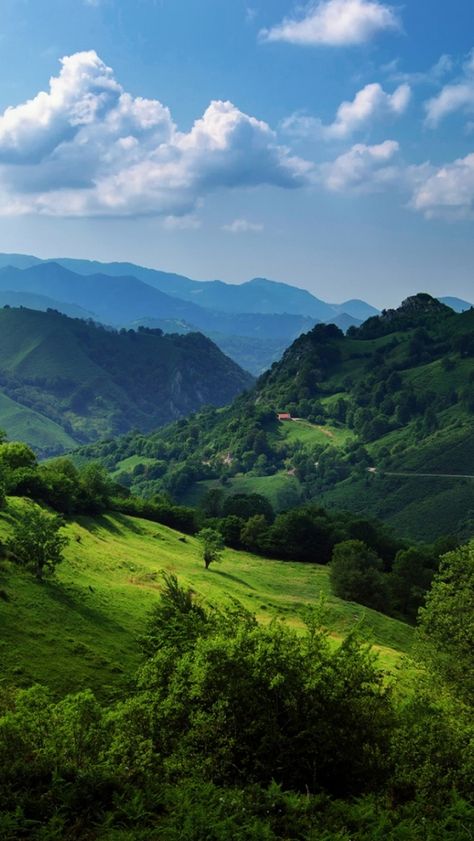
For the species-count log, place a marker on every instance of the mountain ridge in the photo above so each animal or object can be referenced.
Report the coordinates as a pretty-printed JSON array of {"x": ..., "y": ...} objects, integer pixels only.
[
  {"x": 92, "y": 382},
  {"x": 201, "y": 292}
]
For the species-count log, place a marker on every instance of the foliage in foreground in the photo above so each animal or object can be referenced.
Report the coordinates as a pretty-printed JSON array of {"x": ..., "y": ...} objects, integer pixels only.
[{"x": 237, "y": 731}]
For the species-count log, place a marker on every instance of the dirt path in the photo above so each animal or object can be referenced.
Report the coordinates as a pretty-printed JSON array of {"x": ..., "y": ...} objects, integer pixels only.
[
  {"x": 423, "y": 475},
  {"x": 314, "y": 426}
]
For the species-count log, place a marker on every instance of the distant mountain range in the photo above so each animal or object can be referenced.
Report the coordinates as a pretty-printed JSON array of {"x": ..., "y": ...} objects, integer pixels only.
[
  {"x": 252, "y": 322},
  {"x": 266, "y": 297},
  {"x": 456, "y": 304}
]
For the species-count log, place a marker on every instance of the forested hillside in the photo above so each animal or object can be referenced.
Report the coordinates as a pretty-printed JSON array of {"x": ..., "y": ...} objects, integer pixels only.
[
  {"x": 65, "y": 381},
  {"x": 374, "y": 411}
]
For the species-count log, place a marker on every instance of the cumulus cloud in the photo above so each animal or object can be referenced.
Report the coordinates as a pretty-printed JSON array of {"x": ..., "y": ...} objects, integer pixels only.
[
  {"x": 457, "y": 96},
  {"x": 335, "y": 23},
  {"x": 370, "y": 103},
  {"x": 242, "y": 226},
  {"x": 448, "y": 191},
  {"x": 87, "y": 147},
  {"x": 362, "y": 169}
]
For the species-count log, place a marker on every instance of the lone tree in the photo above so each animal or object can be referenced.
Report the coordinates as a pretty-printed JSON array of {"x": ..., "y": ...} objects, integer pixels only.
[
  {"x": 36, "y": 541},
  {"x": 212, "y": 546}
]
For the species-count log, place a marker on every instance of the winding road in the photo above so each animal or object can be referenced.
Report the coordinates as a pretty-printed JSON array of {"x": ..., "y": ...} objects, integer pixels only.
[{"x": 423, "y": 475}]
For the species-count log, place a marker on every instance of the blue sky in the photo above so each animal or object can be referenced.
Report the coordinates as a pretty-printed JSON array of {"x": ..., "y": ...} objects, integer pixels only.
[{"x": 329, "y": 144}]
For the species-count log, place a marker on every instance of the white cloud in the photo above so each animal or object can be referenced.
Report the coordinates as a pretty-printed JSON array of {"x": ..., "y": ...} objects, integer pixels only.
[
  {"x": 242, "y": 226},
  {"x": 363, "y": 168},
  {"x": 447, "y": 192},
  {"x": 458, "y": 96},
  {"x": 370, "y": 103},
  {"x": 432, "y": 76},
  {"x": 83, "y": 93},
  {"x": 452, "y": 98},
  {"x": 86, "y": 147},
  {"x": 181, "y": 223},
  {"x": 335, "y": 23}
]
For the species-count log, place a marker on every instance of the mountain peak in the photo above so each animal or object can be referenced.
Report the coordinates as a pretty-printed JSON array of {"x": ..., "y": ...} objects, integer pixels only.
[
  {"x": 415, "y": 311},
  {"x": 421, "y": 303}
]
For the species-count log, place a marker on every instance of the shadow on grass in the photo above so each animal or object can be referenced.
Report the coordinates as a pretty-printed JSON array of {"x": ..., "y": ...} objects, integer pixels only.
[
  {"x": 76, "y": 602},
  {"x": 232, "y": 578},
  {"x": 113, "y": 523}
]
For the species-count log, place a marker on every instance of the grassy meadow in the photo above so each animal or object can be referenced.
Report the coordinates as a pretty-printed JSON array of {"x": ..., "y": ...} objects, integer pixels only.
[{"x": 81, "y": 628}]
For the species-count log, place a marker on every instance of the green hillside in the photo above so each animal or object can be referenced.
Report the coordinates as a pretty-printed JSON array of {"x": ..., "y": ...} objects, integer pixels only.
[
  {"x": 27, "y": 425},
  {"x": 393, "y": 397},
  {"x": 80, "y": 628},
  {"x": 72, "y": 381}
]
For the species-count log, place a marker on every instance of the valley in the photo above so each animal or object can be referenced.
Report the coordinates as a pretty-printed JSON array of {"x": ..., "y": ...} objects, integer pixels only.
[{"x": 236, "y": 421}]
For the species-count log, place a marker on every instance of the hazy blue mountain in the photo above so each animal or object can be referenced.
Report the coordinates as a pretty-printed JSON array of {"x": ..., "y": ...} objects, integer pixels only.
[
  {"x": 41, "y": 302},
  {"x": 255, "y": 296},
  {"x": 19, "y": 261},
  {"x": 258, "y": 295},
  {"x": 120, "y": 300},
  {"x": 456, "y": 304},
  {"x": 115, "y": 300},
  {"x": 253, "y": 322},
  {"x": 344, "y": 321},
  {"x": 253, "y": 353},
  {"x": 359, "y": 310}
]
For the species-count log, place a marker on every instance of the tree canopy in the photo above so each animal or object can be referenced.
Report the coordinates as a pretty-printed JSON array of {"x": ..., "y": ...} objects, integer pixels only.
[{"x": 37, "y": 541}]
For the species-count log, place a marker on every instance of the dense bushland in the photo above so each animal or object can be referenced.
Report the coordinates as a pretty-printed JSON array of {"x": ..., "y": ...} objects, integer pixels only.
[{"x": 234, "y": 730}]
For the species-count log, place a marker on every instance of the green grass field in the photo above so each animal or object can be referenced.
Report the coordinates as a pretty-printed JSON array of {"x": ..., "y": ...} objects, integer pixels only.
[
  {"x": 81, "y": 627},
  {"x": 310, "y": 434},
  {"x": 282, "y": 489},
  {"x": 127, "y": 465},
  {"x": 24, "y": 424}
]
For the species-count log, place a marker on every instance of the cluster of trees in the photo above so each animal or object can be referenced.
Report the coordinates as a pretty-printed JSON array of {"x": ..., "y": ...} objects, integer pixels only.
[
  {"x": 358, "y": 574},
  {"x": 57, "y": 483},
  {"x": 255, "y": 733},
  {"x": 369, "y": 564},
  {"x": 88, "y": 489}
]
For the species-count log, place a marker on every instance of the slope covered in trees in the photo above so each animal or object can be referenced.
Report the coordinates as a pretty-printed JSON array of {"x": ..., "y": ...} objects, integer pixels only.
[
  {"x": 385, "y": 426},
  {"x": 65, "y": 380}
]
